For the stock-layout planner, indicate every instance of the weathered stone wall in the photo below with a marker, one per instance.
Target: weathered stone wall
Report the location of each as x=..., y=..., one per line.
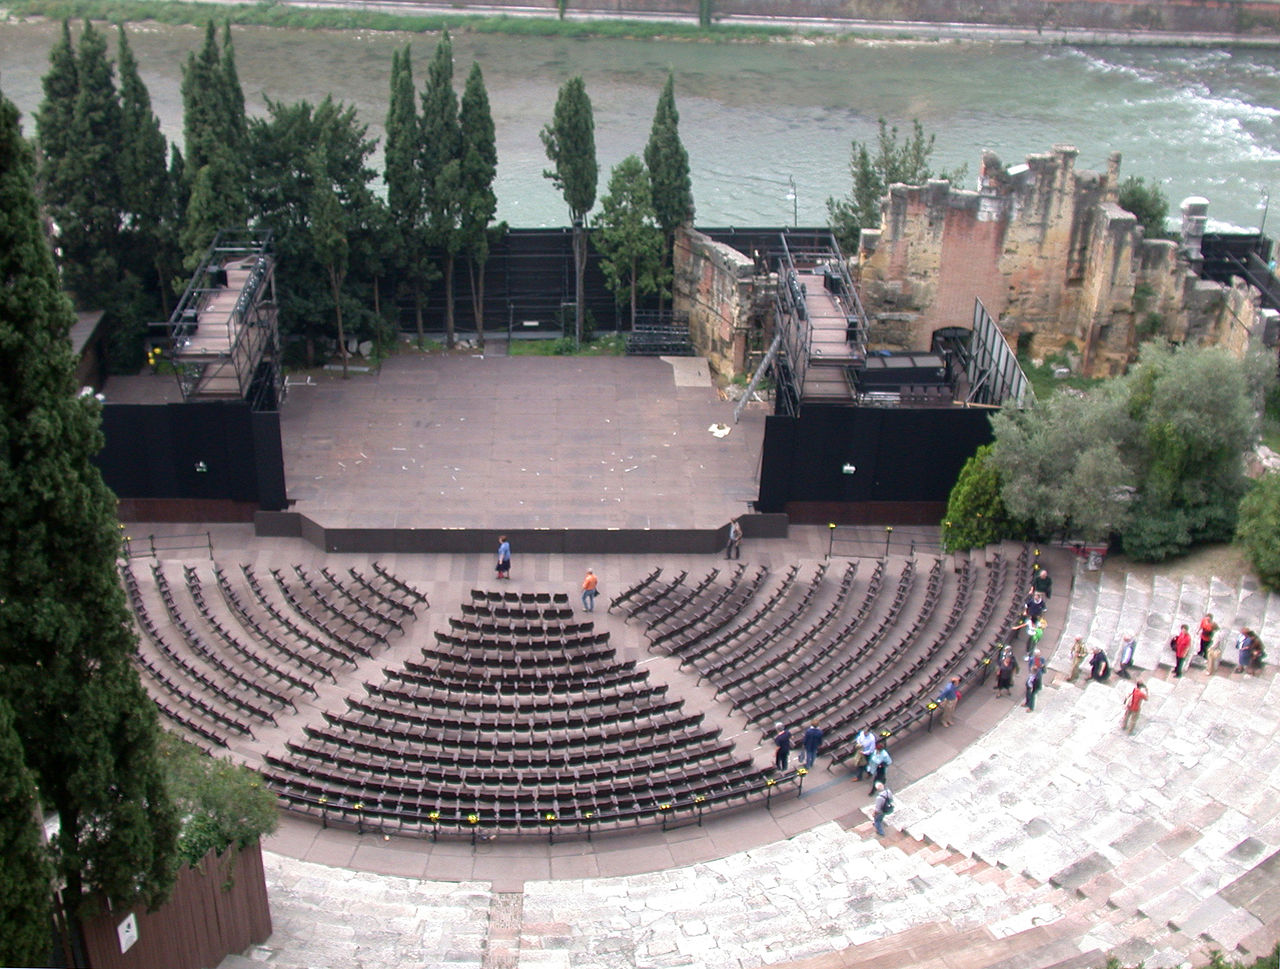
x=717, y=286
x=1050, y=254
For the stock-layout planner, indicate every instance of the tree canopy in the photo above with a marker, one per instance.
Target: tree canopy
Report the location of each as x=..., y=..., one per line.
x=670, y=185
x=1258, y=529
x=65, y=639
x=1154, y=456
x=1148, y=204
x=874, y=168
x=628, y=235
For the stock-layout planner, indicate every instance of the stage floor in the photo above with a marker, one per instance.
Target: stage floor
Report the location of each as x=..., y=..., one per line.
x=520, y=442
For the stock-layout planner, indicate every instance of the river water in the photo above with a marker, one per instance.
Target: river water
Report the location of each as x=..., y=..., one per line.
x=757, y=117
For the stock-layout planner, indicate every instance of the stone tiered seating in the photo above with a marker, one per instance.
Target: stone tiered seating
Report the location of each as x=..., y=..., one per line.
x=1106, y=606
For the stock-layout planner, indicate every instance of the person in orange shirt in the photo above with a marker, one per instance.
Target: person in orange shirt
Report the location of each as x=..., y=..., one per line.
x=589, y=592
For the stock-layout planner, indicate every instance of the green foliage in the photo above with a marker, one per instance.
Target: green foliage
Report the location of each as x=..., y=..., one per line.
x=26, y=877
x=65, y=639
x=328, y=227
x=440, y=163
x=1258, y=529
x=976, y=515
x=1155, y=456
x=609, y=345
x=283, y=15
x=281, y=193
x=1148, y=204
x=668, y=165
x=874, y=170
x=222, y=803
x=214, y=128
x=628, y=236
x=570, y=142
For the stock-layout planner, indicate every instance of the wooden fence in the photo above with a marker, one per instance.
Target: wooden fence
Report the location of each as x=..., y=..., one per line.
x=216, y=908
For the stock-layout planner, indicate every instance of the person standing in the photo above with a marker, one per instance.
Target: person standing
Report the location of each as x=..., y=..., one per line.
x=1256, y=655
x=1099, y=665
x=1133, y=706
x=1078, y=653
x=1181, y=644
x=1033, y=687
x=782, y=741
x=1244, y=649
x=878, y=765
x=1213, y=657
x=504, y=557
x=866, y=741
x=884, y=805
x=733, y=548
x=812, y=741
x=1006, y=668
x=948, y=699
x=1042, y=584
x=589, y=592
x=1128, y=645
x=1207, y=628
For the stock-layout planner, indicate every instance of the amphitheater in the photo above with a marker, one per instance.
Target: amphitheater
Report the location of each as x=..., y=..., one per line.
x=475, y=773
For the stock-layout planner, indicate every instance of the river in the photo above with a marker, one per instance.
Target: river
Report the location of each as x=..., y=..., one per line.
x=757, y=117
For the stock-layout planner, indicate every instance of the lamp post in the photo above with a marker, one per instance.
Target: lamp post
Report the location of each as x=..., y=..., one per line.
x=888, y=537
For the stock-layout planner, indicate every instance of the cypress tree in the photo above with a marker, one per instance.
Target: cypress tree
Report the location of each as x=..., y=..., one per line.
x=233, y=93
x=329, y=239
x=150, y=232
x=403, y=174
x=26, y=879
x=204, y=103
x=53, y=118
x=668, y=163
x=440, y=166
x=479, y=169
x=570, y=142
x=87, y=727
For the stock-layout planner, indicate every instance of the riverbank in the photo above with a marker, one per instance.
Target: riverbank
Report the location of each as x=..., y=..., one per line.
x=388, y=15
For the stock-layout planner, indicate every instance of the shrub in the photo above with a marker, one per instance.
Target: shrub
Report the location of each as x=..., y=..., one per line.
x=1258, y=529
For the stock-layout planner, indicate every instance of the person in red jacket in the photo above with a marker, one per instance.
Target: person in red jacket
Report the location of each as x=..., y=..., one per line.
x=1132, y=706
x=1181, y=646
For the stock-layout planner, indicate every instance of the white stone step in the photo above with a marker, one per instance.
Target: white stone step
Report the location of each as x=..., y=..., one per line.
x=1251, y=605
x=1153, y=645
x=1133, y=616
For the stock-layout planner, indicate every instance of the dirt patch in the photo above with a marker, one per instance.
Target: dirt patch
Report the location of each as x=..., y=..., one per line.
x=1227, y=562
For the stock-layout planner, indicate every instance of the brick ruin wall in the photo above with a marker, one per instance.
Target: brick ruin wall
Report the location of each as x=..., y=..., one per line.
x=719, y=288
x=1051, y=255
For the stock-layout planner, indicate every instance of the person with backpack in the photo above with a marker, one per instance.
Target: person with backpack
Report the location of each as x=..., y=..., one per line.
x=1133, y=706
x=884, y=805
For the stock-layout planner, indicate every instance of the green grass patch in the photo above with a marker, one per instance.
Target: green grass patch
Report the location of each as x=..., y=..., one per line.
x=276, y=15
x=1043, y=382
x=609, y=345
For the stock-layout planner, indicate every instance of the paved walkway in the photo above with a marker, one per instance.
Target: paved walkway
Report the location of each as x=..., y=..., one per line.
x=1048, y=841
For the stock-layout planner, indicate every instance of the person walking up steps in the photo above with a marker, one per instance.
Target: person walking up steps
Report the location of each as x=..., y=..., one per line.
x=884, y=805
x=878, y=765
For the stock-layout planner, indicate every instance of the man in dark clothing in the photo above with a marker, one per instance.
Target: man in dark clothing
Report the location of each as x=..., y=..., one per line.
x=783, y=742
x=1043, y=584
x=1099, y=666
x=812, y=741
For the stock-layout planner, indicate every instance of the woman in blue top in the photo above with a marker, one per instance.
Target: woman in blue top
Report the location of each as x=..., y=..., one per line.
x=504, y=557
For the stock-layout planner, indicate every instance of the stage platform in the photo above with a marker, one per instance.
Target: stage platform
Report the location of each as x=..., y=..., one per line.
x=433, y=444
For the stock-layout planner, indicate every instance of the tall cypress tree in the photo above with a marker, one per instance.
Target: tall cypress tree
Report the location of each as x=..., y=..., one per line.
x=53, y=118
x=87, y=727
x=403, y=174
x=441, y=166
x=26, y=879
x=213, y=129
x=627, y=234
x=570, y=141
x=150, y=233
x=479, y=169
x=670, y=185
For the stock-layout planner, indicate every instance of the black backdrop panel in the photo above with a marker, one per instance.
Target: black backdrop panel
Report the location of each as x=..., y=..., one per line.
x=907, y=455
x=193, y=451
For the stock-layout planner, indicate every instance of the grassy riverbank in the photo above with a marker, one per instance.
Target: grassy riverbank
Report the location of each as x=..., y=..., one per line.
x=281, y=15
